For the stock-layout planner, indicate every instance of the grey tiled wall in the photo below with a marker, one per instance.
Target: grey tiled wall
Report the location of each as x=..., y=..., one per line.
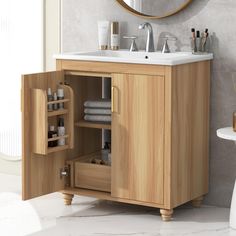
x=80, y=34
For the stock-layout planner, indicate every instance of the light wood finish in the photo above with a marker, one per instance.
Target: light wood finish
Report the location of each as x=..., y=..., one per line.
x=40, y=121
x=160, y=133
x=39, y=175
x=92, y=176
x=86, y=140
x=187, y=132
x=94, y=125
x=68, y=198
x=57, y=113
x=59, y=101
x=109, y=68
x=88, y=74
x=197, y=202
x=57, y=149
x=57, y=138
x=138, y=138
x=107, y=196
x=136, y=13
x=69, y=118
x=166, y=214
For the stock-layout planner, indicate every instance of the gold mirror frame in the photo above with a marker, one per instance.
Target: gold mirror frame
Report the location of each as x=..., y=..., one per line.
x=131, y=10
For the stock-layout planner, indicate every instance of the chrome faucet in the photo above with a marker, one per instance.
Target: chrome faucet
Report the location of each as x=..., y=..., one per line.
x=150, y=38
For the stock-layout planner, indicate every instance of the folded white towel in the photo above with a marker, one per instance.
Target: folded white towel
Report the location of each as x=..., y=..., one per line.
x=103, y=103
x=97, y=118
x=98, y=111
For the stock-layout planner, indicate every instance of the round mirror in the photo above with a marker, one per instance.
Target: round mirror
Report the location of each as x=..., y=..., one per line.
x=154, y=9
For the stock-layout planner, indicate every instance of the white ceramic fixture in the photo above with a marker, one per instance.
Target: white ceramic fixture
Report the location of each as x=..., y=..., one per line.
x=229, y=134
x=141, y=57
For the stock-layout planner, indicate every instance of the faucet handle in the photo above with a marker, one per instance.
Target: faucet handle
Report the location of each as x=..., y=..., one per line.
x=133, y=46
x=166, y=48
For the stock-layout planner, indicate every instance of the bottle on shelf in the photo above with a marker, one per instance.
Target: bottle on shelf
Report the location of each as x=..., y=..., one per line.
x=55, y=106
x=52, y=133
x=60, y=96
x=50, y=99
x=61, y=132
x=105, y=152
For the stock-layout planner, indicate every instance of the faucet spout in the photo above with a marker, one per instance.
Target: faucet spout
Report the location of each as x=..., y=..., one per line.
x=150, y=39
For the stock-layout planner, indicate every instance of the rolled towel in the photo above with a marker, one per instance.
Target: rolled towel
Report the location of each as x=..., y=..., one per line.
x=97, y=118
x=103, y=103
x=98, y=111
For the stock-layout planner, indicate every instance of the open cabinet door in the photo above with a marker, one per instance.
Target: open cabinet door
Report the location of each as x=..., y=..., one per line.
x=41, y=172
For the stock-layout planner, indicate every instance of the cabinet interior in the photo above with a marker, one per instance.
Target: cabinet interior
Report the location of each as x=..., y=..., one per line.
x=89, y=137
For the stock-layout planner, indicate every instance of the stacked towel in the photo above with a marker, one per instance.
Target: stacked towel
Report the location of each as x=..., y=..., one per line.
x=98, y=111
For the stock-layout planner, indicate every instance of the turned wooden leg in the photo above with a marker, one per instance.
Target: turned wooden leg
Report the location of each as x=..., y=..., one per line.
x=197, y=202
x=166, y=215
x=68, y=198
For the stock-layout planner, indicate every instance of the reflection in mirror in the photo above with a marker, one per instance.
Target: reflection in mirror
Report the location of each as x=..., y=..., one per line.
x=155, y=8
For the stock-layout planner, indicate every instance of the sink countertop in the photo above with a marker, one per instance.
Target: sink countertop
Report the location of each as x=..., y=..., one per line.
x=141, y=57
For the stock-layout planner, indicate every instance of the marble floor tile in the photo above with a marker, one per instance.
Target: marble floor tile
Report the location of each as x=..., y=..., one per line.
x=47, y=216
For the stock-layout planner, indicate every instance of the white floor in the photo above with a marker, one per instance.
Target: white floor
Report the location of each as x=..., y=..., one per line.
x=47, y=216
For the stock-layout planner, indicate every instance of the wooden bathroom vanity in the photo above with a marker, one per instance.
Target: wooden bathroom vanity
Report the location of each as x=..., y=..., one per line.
x=159, y=133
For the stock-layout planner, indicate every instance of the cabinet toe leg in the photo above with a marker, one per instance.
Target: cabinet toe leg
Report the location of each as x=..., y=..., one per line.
x=197, y=202
x=68, y=198
x=166, y=215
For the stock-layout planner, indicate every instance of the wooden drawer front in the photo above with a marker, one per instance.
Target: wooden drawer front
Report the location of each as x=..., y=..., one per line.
x=92, y=176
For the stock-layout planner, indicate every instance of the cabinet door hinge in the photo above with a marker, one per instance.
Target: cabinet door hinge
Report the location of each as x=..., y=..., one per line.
x=65, y=174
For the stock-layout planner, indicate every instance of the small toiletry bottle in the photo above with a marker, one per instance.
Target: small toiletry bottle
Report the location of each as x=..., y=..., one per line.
x=61, y=132
x=50, y=99
x=105, y=152
x=55, y=106
x=60, y=96
x=103, y=34
x=115, y=37
x=234, y=121
x=109, y=159
x=52, y=133
x=198, y=41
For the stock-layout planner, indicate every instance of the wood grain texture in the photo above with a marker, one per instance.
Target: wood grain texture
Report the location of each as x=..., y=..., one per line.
x=107, y=196
x=69, y=118
x=93, y=125
x=86, y=140
x=138, y=138
x=145, y=16
x=68, y=198
x=39, y=175
x=187, y=137
x=166, y=214
x=39, y=121
x=109, y=68
x=92, y=176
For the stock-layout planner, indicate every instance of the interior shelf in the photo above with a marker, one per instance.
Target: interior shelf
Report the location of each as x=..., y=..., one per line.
x=57, y=113
x=57, y=148
x=58, y=101
x=95, y=125
x=57, y=138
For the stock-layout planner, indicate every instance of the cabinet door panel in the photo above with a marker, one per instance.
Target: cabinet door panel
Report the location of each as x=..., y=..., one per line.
x=138, y=137
x=41, y=174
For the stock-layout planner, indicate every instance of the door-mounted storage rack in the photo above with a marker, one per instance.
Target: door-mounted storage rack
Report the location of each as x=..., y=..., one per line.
x=41, y=117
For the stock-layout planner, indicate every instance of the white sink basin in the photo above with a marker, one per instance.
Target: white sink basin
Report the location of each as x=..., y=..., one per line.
x=141, y=57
